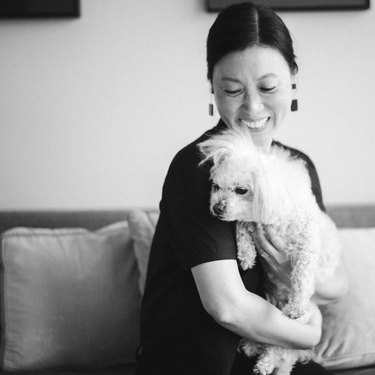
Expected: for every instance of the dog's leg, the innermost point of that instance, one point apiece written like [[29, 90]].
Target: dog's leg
[[277, 360], [302, 283], [304, 253], [267, 360], [286, 364], [246, 252], [250, 348]]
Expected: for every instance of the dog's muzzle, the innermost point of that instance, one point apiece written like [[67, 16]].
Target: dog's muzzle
[[219, 208]]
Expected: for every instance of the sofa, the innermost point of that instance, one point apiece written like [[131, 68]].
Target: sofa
[[72, 283]]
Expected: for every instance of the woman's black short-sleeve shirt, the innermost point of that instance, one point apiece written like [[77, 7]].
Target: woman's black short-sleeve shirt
[[177, 335]]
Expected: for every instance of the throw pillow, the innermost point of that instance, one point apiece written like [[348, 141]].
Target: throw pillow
[[348, 338], [70, 298], [142, 226]]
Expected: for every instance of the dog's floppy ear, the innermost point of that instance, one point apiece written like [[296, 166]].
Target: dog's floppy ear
[[271, 200], [213, 149], [230, 142], [261, 200]]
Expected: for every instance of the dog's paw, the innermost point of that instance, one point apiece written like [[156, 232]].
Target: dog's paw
[[263, 369], [294, 311], [246, 253], [250, 348], [266, 363]]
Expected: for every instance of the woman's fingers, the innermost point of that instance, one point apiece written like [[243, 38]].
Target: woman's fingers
[[274, 238], [261, 243], [275, 258], [269, 243]]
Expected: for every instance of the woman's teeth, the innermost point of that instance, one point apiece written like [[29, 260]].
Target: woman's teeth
[[255, 124]]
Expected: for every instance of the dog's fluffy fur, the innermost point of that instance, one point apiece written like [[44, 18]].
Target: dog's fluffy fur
[[249, 186]]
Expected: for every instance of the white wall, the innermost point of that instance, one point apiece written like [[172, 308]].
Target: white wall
[[93, 109]]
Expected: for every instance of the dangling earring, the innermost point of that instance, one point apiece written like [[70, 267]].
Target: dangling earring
[[294, 105], [211, 104]]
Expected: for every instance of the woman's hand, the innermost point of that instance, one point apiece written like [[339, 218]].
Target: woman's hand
[[272, 249], [313, 318]]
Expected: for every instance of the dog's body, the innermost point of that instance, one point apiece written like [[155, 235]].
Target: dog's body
[[272, 189]]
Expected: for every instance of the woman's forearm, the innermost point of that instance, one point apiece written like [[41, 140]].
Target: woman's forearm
[[256, 319], [225, 298]]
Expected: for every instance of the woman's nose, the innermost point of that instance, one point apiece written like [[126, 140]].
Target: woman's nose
[[253, 103]]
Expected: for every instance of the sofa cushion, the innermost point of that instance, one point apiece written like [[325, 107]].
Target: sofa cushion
[[348, 338], [70, 298], [142, 226]]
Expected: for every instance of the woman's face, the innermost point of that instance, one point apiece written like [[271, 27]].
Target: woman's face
[[253, 88]]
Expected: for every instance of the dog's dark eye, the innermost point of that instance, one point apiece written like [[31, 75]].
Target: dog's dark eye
[[215, 187], [240, 191]]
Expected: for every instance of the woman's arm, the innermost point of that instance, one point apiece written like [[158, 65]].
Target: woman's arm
[[328, 287], [226, 299]]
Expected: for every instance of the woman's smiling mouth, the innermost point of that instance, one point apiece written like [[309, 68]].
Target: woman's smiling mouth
[[256, 125]]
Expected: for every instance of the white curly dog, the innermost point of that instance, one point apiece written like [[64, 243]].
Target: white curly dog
[[249, 186]]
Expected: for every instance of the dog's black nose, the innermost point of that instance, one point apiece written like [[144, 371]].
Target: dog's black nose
[[219, 208]]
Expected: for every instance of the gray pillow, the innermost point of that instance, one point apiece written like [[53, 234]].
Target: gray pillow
[[71, 298]]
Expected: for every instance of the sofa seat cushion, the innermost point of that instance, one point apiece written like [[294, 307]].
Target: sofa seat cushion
[[356, 371], [70, 298], [348, 339]]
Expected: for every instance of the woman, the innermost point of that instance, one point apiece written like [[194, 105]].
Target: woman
[[197, 302]]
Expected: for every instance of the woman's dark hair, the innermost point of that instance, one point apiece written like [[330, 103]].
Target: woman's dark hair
[[244, 25]]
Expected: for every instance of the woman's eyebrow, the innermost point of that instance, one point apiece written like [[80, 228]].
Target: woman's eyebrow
[[231, 79], [268, 75], [236, 80]]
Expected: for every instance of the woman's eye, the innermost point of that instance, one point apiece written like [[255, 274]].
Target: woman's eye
[[268, 89], [233, 92], [240, 191]]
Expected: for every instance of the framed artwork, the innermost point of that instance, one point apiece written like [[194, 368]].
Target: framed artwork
[[217, 5], [39, 8]]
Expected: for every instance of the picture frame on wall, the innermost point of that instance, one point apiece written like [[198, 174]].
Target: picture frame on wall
[[39, 8], [217, 5]]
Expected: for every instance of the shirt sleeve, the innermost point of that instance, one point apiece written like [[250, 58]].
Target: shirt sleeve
[[315, 183], [196, 236]]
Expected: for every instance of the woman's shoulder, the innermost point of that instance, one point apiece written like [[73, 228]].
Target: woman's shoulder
[[295, 153], [190, 155]]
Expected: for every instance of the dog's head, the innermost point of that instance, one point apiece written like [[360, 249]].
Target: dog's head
[[245, 185], [232, 191], [233, 173]]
